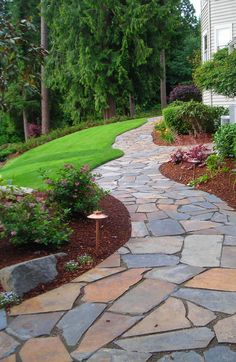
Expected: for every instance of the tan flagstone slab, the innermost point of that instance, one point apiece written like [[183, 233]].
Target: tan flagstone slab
[[49, 349], [112, 261], [168, 317], [216, 278], [143, 297], [11, 358], [96, 274], [8, 345], [225, 330], [105, 330], [58, 299], [112, 287], [195, 225], [199, 316]]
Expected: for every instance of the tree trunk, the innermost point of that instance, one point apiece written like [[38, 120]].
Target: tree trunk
[[45, 113], [163, 79], [25, 123], [131, 106], [111, 108]]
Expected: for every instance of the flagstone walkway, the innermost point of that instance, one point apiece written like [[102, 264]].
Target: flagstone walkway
[[168, 295]]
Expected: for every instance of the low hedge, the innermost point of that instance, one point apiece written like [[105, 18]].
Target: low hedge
[[193, 117], [225, 140]]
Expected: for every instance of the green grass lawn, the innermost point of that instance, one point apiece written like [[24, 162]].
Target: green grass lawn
[[91, 146]]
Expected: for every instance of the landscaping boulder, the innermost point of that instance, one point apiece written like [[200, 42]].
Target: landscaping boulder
[[23, 277]]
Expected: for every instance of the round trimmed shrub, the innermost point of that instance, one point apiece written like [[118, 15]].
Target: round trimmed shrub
[[185, 93]]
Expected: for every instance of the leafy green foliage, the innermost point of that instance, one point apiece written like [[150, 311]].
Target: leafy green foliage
[[218, 74], [225, 140], [75, 190], [172, 117], [213, 163], [199, 180], [165, 132], [27, 221], [85, 260], [8, 299], [71, 266]]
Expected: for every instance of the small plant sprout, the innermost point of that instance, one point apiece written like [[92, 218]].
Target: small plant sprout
[[85, 260], [8, 298], [71, 266]]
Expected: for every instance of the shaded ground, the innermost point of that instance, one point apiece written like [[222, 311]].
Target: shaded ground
[[222, 185], [182, 140]]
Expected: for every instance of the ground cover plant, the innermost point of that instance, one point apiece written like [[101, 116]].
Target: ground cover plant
[[92, 146]]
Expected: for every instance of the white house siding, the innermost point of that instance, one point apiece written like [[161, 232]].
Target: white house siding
[[214, 14]]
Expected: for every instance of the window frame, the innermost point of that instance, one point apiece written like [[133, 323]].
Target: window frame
[[219, 27], [205, 52]]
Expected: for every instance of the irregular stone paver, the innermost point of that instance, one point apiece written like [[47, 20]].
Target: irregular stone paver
[[216, 278], [78, 320], [170, 341], [116, 355], [111, 262], [182, 357], [3, 319], [220, 354], [55, 300], [105, 330], [152, 245], [8, 345], [174, 274], [202, 250], [139, 229], [112, 287], [96, 274], [228, 259], [11, 358], [147, 208], [199, 316], [230, 240], [49, 349], [224, 302], [28, 326], [225, 330], [135, 301], [149, 260], [165, 227], [195, 225], [168, 317]]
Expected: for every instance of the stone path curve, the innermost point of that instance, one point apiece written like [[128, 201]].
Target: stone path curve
[[168, 295]]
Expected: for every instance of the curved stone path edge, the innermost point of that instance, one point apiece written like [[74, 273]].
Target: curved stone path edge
[[169, 294]]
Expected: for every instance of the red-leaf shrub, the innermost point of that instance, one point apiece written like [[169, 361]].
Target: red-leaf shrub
[[178, 156], [197, 154], [185, 93], [34, 130]]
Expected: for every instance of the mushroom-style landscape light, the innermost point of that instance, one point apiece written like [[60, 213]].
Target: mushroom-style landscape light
[[97, 216]]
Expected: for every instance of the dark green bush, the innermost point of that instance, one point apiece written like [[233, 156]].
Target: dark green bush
[[225, 140], [173, 119], [26, 221], [192, 117], [75, 190]]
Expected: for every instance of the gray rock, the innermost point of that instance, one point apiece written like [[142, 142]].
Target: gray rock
[[191, 209], [224, 302], [228, 259], [230, 240], [149, 260], [8, 345], [27, 326], [3, 319], [117, 355], [166, 227], [175, 274], [220, 354], [139, 229], [170, 341], [78, 320], [25, 276], [182, 357]]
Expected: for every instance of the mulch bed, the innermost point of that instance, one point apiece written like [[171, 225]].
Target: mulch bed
[[182, 140], [116, 231], [222, 185]]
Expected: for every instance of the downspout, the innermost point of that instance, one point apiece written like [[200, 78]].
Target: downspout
[[210, 41]]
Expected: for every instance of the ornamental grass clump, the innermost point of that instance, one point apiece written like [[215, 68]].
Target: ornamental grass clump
[[75, 190], [28, 221]]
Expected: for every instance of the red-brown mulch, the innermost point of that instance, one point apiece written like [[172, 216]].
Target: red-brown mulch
[[116, 231], [222, 185], [182, 140]]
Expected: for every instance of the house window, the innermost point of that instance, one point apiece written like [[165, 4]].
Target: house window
[[205, 47], [223, 36]]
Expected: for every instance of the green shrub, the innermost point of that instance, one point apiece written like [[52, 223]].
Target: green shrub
[[192, 117], [173, 119], [225, 140], [213, 163], [74, 190], [165, 133], [26, 220]]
